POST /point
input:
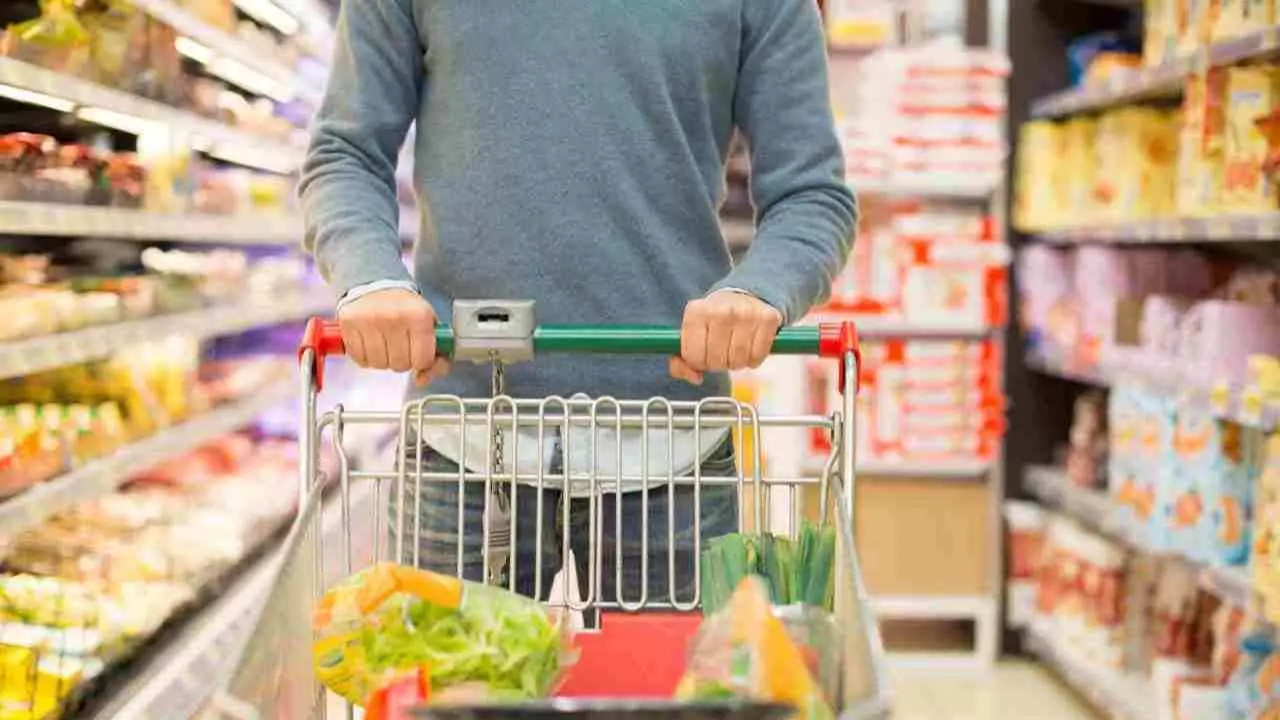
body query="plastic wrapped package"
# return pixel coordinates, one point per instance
(391, 619)
(746, 651)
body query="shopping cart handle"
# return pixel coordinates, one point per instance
(323, 337)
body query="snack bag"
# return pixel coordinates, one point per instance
(745, 651)
(392, 619)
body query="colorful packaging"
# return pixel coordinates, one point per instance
(1160, 39)
(391, 619)
(1040, 185)
(1138, 146)
(746, 651)
(1252, 93)
(1211, 510)
(1265, 563)
(1202, 144)
(1079, 167)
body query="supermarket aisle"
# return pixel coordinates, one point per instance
(1013, 690)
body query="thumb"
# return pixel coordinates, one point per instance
(681, 370)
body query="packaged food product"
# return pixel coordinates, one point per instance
(392, 617)
(745, 651)
(1197, 25)
(1252, 93)
(1200, 153)
(1079, 168)
(1040, 185)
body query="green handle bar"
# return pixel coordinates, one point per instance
(632, 340)
(324, 337)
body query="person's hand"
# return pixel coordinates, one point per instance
(393, 329)
(724, 331)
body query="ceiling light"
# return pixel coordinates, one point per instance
(267, 12)
(36, 98)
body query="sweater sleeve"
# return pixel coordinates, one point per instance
(805, 213)
(348, 185)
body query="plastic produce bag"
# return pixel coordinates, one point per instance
(392, 619)
(746, 651)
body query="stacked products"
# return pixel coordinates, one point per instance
(116, 44)
(931, 116)
(920, 400)
(1142, 623)
(60, 419)
(1174, 29)
(1177, 317)
(37, 168)
(1207, 158)
(85, 588)
(926, 265)
(41, 296)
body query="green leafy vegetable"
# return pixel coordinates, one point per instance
(504, 641)
(796, 572)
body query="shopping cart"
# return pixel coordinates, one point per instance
(630, 653)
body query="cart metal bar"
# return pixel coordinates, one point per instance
(576, 415)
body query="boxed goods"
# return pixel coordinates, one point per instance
(1138, 148)
(1040, 184)
(1236, 18)
(1252, 93)
(1026, 523)
(1161, 31)
(1200, 155)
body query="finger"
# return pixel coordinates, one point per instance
(399, 348)
(693, 338)
(719, 338)
(375, 349)
(432, 374)
(740, 344)
(680, 370)
(354, 343)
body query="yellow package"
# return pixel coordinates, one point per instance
(1236, 18)
(1139, 148)
(1039, 186)
(1079, 165)
(1252, 93)
(1265, 559)
(744, 650)
(1201, 146)
(393, 618)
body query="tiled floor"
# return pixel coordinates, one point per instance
(1022, 691)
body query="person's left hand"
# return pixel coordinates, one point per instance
(726, 330)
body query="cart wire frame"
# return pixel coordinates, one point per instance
(273, 676)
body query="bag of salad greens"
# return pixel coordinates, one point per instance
(391, 619)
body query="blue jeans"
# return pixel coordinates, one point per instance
(670, 511)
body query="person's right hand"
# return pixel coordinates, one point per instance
(393, 330)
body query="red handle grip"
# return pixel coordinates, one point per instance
(835, 340)
(323, 338)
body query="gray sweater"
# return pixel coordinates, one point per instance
(572, 152)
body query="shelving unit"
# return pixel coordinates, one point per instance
(24, 357)
(1094, 509)
(1244, 406)
(1164, 81)
(1222, 229)
(98, 477)
(68, 94)
(1120, 696)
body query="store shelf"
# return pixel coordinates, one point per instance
(1095, 509)
(940, 469)
(227, 46)
(98, 477)
(1161, 81)
(1227, 402)
(50, 219)
(1264, 227)
(69, 93)
(1119, 695)
(870, 327)
(177, 680)
(24, 357)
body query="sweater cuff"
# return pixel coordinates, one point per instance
(360, 291)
